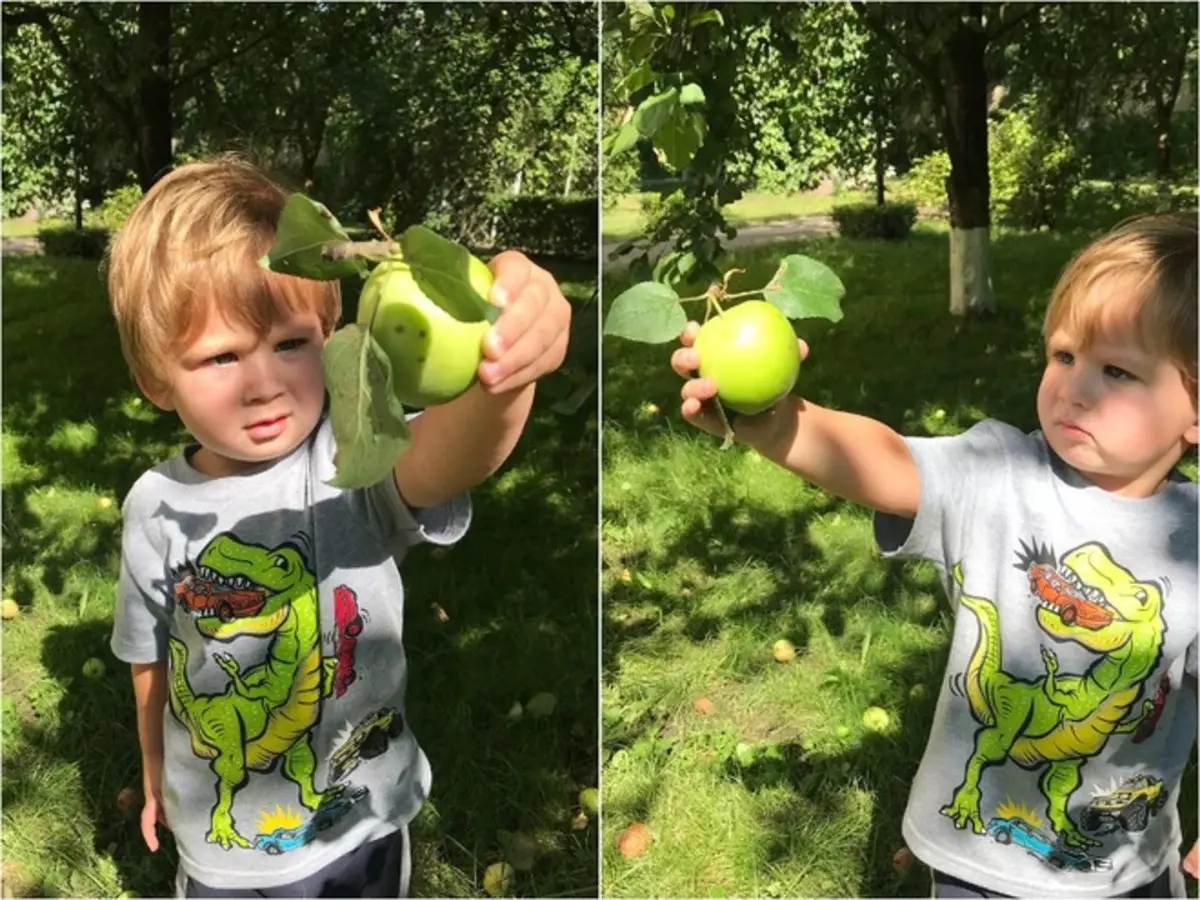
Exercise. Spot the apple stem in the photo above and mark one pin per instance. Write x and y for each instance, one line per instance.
(741, 294)
(372, 250)
(724, 421)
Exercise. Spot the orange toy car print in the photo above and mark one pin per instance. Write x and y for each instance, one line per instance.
(1073, 606)
(207, 593)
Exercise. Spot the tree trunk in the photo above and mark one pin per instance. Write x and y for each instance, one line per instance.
(880, 158)
(77, 178)
(570, 169)
(154, 124)
(1162, 128)
(969, 187)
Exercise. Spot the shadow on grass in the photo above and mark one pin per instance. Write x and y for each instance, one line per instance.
(517, 602)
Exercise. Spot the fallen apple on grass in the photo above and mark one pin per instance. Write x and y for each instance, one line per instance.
(634, 840)
(783, 650)
(876, 718)
(94, 668)
(498, 879)
(589, 799)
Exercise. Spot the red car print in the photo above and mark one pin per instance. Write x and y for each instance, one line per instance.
(1052, 588)
(345, 639)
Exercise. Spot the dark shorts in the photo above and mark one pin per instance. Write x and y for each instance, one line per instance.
(376, 869)
(948, 886)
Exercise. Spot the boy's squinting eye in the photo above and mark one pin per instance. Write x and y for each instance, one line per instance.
(291, 344)
(1065, 357)
(1119, 374)
(221, 359)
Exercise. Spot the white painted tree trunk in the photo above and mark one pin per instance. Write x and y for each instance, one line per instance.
(970, 272)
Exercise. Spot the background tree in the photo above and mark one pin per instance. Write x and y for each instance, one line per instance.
(946, 46)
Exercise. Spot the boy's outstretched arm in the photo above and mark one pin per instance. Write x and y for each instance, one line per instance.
(150, 697)
(459, 444)
(852, 456)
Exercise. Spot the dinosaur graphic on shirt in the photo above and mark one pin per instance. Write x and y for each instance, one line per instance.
(1057, 722)
(266, 714)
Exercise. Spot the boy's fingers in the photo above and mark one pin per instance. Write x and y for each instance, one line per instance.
(688, 337)
(516, 321)
(512, 270)
(548, 361)
(685, 361)
(149, 831)
(700, 389)
(803, 348)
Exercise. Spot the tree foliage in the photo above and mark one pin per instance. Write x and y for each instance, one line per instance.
(423, 109)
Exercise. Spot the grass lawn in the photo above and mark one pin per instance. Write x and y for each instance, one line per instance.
(758, 778)
(510, 612)
(19, 228)
(627, 218)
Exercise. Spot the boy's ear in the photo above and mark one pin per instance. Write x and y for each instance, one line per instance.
(1192, 433)
(159, 396)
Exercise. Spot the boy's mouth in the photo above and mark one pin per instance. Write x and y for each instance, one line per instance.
(265, 429)
(1073, 429)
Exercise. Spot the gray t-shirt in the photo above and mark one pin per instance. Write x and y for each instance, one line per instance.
(1068, 709)
(277, 602)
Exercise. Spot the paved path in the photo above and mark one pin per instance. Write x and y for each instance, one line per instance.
(753, 235)
(21, 246)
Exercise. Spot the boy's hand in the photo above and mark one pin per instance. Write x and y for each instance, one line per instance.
(1191, 862)
(697, 392)
(529, 339)
(152, 810)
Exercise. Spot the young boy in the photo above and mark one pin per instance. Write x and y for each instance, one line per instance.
(1069, 707)
(260, 608)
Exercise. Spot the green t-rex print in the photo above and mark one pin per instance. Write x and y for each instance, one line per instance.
(1060, 721)
(266, 713)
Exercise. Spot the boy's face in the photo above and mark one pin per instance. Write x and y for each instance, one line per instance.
(244, 398)
(1119, 414)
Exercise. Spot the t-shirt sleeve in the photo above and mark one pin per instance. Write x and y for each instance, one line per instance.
(952, 472)
(388, 517)
(142, 618)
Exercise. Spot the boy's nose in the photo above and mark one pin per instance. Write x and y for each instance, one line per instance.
(262, 382)
(1080, 388)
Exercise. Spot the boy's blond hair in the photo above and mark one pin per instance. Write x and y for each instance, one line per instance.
(1150, 261)
(192, 247)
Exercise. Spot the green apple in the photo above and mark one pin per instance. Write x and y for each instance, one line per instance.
(93, 667)
(876, 718)
(434, 356)
(589, 799)
(752, 354)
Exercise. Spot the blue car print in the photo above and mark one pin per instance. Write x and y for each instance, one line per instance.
(1041, 844)
(281, 840)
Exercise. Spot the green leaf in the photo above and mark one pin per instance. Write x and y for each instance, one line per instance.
(304, 230)
(681, 138)
(442, 269)
(541, 704)
(806, 289)
(656, 111)
(709, 15)
(368, 421)
(648, 312)
(626, 138)
(638, 79)
(691, 94)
